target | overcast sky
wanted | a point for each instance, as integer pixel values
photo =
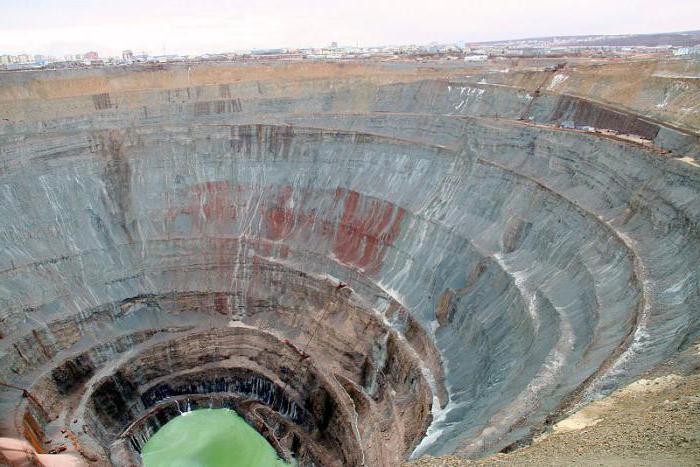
(195, 26)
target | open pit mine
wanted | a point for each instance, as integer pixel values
(367, 262)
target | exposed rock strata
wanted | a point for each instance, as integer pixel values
(453, 255)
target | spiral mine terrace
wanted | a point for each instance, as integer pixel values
(367, 262)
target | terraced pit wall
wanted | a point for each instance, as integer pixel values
(367, 262)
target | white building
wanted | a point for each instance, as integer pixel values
(695, 50)
(476, 58)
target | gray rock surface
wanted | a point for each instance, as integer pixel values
(527, 263)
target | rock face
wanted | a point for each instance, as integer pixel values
(366, 262)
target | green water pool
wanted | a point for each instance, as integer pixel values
(209, 438)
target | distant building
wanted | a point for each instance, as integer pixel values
(334, 45)
(687, 51)
(450, 48)
(91, 56)
(267, 51)
(127, 55)
(408, 49)
(476, 58)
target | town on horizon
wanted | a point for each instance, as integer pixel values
(680, 44)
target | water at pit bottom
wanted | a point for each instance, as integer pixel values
(209, 438)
